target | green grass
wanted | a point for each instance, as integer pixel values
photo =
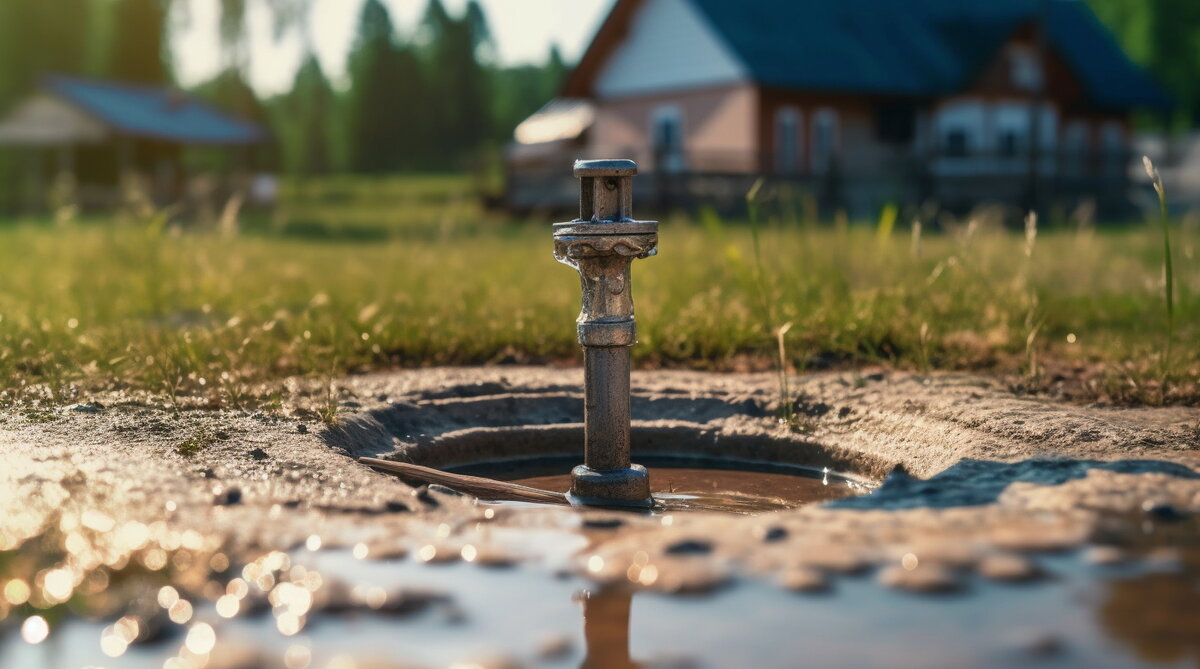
(190, 315)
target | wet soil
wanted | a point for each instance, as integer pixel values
(1004, 530)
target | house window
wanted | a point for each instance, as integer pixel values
(1012, 125)
(1009, 143)
(959, 128)
(787, 140)
(954, 142)
(824, 139)
(896, 122)
(666, 133)
(1025, 68)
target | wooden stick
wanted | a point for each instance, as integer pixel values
(472, 485)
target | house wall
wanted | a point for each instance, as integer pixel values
(670, 46)
(1005, 95)
(719, 128)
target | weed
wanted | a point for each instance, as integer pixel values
(1168, 269)
(200, 440)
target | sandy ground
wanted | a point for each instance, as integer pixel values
(971, 477)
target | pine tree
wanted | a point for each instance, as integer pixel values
(137, 52)
(377, 72)
(311, 101)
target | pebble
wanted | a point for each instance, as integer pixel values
(770, 534)
(1163, 512)
(834, 559)
(556, 647)
(1105, 555)
(386, 550)
(230, 496)
(926, 578)
(1008, 567)
(602, 523)
(803, 579)
(689, 547)
(88, 407)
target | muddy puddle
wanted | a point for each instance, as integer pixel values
(696, 484)
(1134, 602)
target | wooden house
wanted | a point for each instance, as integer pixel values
(97, 132)
(858, 102)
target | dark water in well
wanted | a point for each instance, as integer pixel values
(696, 484)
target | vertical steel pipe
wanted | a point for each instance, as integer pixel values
(601, 245)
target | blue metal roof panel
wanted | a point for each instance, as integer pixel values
(914, 47)
(154, 112)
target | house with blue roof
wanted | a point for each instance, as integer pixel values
(100, 131)
(860, 102)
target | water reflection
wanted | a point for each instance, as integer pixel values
(89, 589)
(606, 630)
(1157, 615)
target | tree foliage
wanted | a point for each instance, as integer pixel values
(137, 48)
(39, 37)
(1164, 37)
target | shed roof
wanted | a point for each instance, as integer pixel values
(901, 47)
(153, 112)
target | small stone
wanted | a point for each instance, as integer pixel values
(302, 428)
(689, 547)
(925, 577)
(423, 494)
(602, 523)
(833, 559)
(1008, 567)
(1105, 555)
(230, 496)
(1047, 645)
(803, 579)
(557, 647)
(258, 454)
(771, 534)
(386, 550)
(1165, 557)
(88, 407)
(1162, 512)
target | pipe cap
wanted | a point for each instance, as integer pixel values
(605, 168)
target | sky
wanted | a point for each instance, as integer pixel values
(522, 29)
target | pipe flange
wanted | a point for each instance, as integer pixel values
(602, 334)
(628, 487)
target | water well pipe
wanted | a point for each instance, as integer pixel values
(601, 245)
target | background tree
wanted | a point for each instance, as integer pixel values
(1164, 37)
(377, 71)
(39, 37)
(137, 49)
(311, 105)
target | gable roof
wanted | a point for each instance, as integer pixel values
(895, 47)
(153, 112)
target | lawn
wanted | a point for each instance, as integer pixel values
(355, 275)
